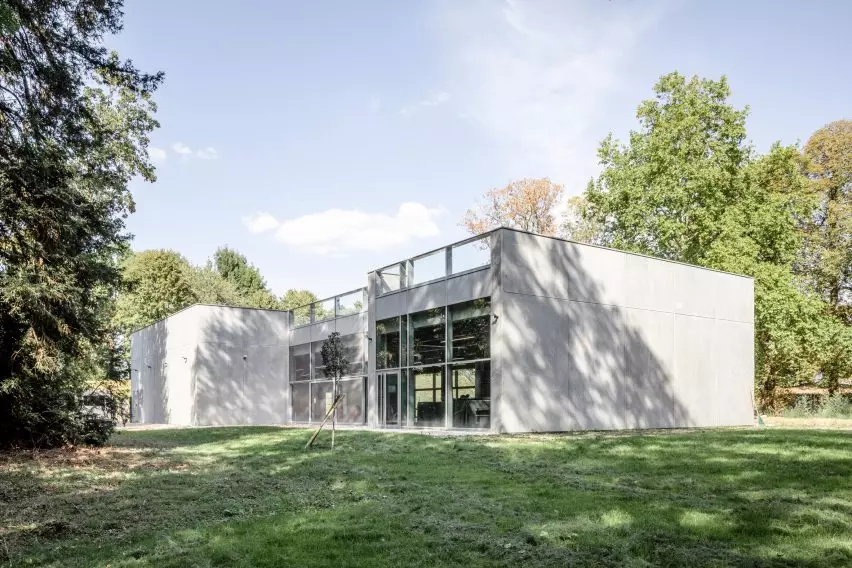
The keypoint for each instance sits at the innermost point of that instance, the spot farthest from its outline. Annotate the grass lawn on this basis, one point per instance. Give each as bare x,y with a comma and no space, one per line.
253,497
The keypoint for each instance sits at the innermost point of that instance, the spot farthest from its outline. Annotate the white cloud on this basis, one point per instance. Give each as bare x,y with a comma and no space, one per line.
338,231
208,153
260,222
536,76
433,100
156,154
182,149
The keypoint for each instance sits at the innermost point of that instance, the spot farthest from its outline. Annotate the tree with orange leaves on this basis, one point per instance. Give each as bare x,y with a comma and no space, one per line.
525,204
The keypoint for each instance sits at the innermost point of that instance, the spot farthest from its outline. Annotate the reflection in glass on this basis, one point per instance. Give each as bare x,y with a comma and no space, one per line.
324,310
352,303
321,399
391,278
471,330
300,362
428,337
301,316
300,399
429,267
428,383
351,409
353,350
387,343
316,354
474,254
391,399
471,393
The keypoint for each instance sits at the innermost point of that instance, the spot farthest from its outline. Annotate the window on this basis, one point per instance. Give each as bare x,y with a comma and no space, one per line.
429,267
428,383
468,256
300,399
352,408
428,337
301,316
324,310
391,278
352,303
471,393
387,343
321,399
353,350
471,330
316,354
300,362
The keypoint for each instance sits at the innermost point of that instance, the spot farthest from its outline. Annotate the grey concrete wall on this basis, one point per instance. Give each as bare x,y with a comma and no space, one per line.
241,366
161,359
210,365
591,338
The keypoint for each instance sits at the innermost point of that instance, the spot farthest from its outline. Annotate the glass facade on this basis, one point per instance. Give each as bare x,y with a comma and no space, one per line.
429,267
471,255
442,374
387,343
428,337
312,391
471,330
300,362
300,397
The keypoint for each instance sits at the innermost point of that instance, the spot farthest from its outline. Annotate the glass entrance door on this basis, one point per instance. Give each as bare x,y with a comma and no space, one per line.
389,399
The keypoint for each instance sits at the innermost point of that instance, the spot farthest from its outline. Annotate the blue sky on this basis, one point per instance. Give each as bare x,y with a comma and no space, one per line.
325,139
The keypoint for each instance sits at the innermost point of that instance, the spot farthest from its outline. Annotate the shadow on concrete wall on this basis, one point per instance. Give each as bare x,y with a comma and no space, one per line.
239,370
151,366
581,365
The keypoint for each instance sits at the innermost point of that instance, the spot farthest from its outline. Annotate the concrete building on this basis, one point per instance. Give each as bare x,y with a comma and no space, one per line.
507,331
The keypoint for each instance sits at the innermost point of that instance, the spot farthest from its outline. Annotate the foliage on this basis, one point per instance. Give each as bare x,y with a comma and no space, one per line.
525,204
689,188
156,283
234,268
827,259
74,124
828,406
334,358
250,496
578,225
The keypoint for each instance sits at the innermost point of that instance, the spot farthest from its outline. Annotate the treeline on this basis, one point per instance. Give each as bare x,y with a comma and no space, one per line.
689,186
157,283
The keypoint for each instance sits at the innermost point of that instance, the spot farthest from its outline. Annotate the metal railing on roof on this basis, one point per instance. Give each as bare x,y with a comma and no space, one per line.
345,304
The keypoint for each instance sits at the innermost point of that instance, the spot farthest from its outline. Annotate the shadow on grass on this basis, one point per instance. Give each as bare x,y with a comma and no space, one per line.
253,497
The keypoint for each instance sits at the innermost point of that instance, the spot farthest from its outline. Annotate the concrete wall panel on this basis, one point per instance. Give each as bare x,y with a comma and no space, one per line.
300,335
391,305
734,372
695,290
356,323
427,296
649,284
734,299
469,286
646,397
695,354
266,394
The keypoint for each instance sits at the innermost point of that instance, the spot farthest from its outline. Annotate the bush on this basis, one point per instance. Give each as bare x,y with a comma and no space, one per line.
827,406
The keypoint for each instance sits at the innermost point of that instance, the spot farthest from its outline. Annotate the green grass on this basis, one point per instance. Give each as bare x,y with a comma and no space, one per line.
253,497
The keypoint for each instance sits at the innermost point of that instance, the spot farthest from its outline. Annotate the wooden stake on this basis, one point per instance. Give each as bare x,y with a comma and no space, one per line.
327,415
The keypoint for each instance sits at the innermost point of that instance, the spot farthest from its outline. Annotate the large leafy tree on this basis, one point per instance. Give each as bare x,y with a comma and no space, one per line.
525,204
827,262
688,187
234,267
156,283
74,124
